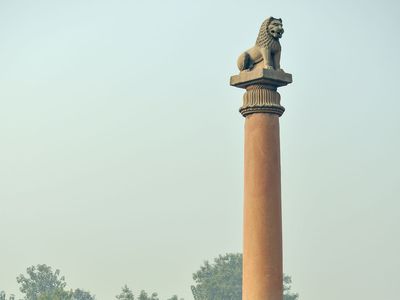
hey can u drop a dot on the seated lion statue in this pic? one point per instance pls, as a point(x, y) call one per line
point(267, 51)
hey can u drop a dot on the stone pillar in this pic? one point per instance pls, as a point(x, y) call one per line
point(262, 228)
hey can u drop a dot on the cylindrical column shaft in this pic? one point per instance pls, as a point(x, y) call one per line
point(262, 249)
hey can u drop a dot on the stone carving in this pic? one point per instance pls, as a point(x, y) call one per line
point(259, 99)
point(260, 72)
point(267, 51)
point(261, 94)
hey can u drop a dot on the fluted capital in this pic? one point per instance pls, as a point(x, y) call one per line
point(261, 95)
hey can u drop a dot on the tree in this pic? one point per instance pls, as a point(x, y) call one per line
point(56, 294)
point(223, 280)
point(59, 294)
point(42, 281)
point(126, 294)
point(79, 294)
point(3, 296)
point(143, 296)
point(174, 297)
point(287, 294)
point(154, 296)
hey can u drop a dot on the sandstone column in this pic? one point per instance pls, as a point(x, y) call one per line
point(262, 231)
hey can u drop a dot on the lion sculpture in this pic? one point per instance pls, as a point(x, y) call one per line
point(267, 51)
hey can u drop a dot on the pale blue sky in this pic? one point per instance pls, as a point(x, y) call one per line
point(121, 142)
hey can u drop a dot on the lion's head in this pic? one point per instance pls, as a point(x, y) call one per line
point(271, 29)
point(275, 28)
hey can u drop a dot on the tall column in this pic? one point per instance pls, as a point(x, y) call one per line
point(262, 228)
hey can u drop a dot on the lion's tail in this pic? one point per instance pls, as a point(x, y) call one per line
point(243, 61)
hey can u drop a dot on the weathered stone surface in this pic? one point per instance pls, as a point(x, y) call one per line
point(269, 78)
point(261, 95)
point(258, 99)
point(267, 50)
point(262, 225)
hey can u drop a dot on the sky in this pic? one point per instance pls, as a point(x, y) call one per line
point(121, 149)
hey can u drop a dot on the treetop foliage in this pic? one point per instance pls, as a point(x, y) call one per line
point(41, 283)
point(127, 294)
point(219, 280)
point(222, 279)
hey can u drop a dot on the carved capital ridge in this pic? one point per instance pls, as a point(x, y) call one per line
point(260, 99)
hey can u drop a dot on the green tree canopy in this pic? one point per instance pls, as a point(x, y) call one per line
point(143, 296)
point(79, 294)
point(41, 283)
point(41, 280)
point(126, 294)
point(174, 297)
point(223, 280)
point(55, 294)
point(3, 296)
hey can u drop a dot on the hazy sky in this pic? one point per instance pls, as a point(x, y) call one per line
point(122, 146)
